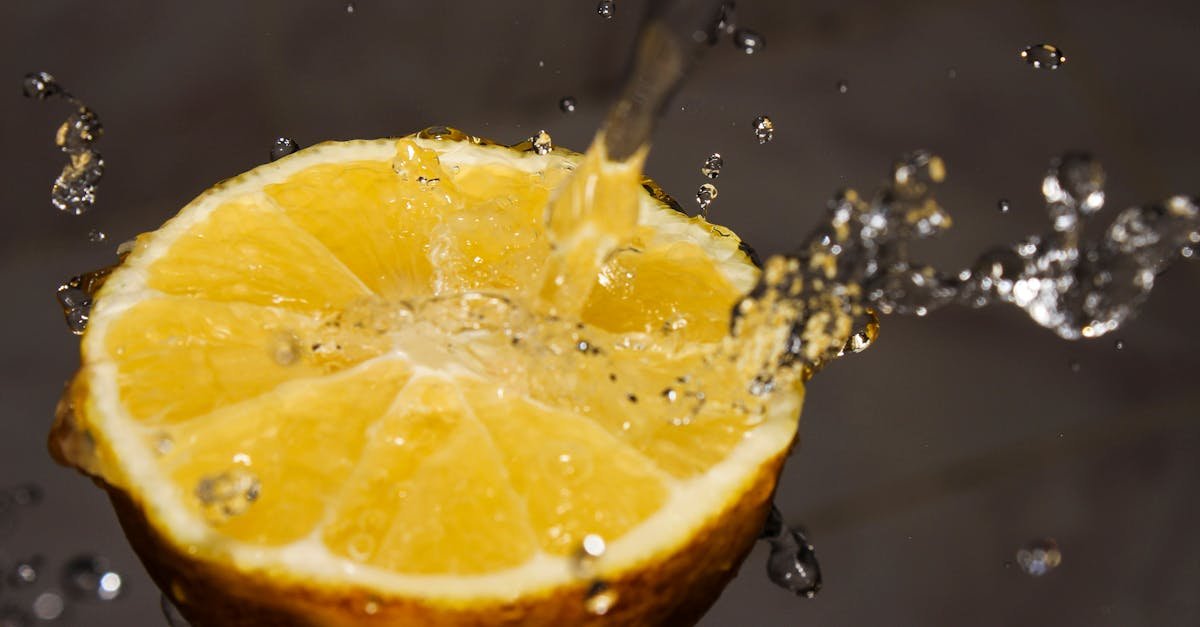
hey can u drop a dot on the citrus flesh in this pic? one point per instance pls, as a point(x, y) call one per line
point(365, 384)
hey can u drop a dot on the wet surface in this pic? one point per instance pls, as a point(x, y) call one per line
point(914, 482)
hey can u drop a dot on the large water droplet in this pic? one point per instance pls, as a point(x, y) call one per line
point(567, 104)
point(49, 606)
point(712, 166)
point(606, 9)
point(1043, 56)
point(89, 577)
point(792, 564)
point(79, 131)
point(172, 613)
point(1119, 344)
point(749, 41)
point(704, 197)
point(1039, 557)
point(282, 147)
point(227, 494)
point(764, 129)
point(542, 142)
point(40, 85)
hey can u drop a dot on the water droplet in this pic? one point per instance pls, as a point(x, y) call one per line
point(704, 197)
point(172, 613)
point(792, 564)
point(282, 147)
point(606, 9)
point(96, 236)
point(25, 572)
point(227, 494)
point(843, 87)
point(600, 599)
point(764, 129)
point(1074, 365)
point(40, 85)
point(351, 8)
point(74, 191)
point(1004, 206)
point(712, 166)
point(1073, 188)
point(49, 606)
point(542, 143)
point(1119, 344)
point(567, 104)
point(726, 21)
point(79, 131)
point(89, 577)
point(1044, 56)
point(1039, 557)
point(748, 41)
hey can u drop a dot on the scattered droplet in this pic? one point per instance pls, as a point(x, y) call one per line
point(1044, 56)
point(704, 197)
point(542, 143)
point(282, 147)
point(792, 564)
point(748, 41)
point(764, 129)
point(49, 606)
point(40, 85)
point(96, 236)
point(74, 191)
point(227, 494)
point(606, 9)
point(25, 572)
point(712, 166)
point(1119, 344)
point(172, 613)
point(1039, 557)
point(89, 577)
point(351, 8)
point(566, 104)
point(1004, 206)
point(600, 598)
point(843, 87)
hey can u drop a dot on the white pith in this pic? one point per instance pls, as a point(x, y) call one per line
point(692, 503)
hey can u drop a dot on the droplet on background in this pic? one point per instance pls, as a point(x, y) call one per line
point(1044, 56)
point(542, 142)
point(764, 129)
point(96, 236)
point(792, 564)
point(567, 104)
point(282, 147)
point(749, 41)
point(1004, 206)
point(705, 195)
point(25, 572)
point(1119, 344)
point(843, 87)
point(27, 494)
point(951, 73)
point(1074, 365)
point(351, 8)
point(1039, 557)
point(712, 166)
point(40, 85)
point(88, 577)
point(606, 9)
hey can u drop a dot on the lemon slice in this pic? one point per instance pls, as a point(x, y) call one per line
point(336, 390)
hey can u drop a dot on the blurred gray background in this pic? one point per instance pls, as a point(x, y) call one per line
point(926, 462)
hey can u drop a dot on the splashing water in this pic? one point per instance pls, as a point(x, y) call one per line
point(542, 143)
point(712, 166)
point(606, 9)
point(1043, 56)
point(764, 129)
point(75, 298)
point(227, 494)
point(792, 564)
point(282, 147)
point(74, 191)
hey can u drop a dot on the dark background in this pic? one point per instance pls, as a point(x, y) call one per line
point(926, 462)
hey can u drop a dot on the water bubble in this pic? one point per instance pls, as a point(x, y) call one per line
point(843, 87)
point(25, 572)
point(567, 104)
point(172, 613)
point(712, 166)
point(606, 9)
point(1119, 344)
point(89, 577)
point(764, 129)
point(282, 147)
point(1039, 557)
point(600, 598)
point(227, 494)
point(40, 85)
point(1004, 206)
point(542, 143)
point(705, 195)
point(74, 191)
point(96, 236)
point(49, 606)
point(1044, 56)
point(748, 41)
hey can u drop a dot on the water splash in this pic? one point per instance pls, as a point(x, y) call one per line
point(1039, 557)
point(542, 142)
point(606, 9)
point(1043, 56)
point(74, 191)
point(712, 166)
point(764, 129)
point(792, 564)
point(75, 298)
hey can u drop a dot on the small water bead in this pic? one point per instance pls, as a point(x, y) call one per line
point(171, 613)
point(1119, 344)
point(705, 195)
point(25, 572)
point(227, 494)
point(712, 166)
point(1043, 56)
point(1039, 557)
point(351, 8)
point(96, 236)
point(567, 104)
point(542, 142)
point(748, 41)
point(843, 87)
point(764, 129)
point(282, 147)
point(606, 9)
point(89, 577)
point(49, 606)
point(1004, 206)
point(40, 85)
point(600, 599)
